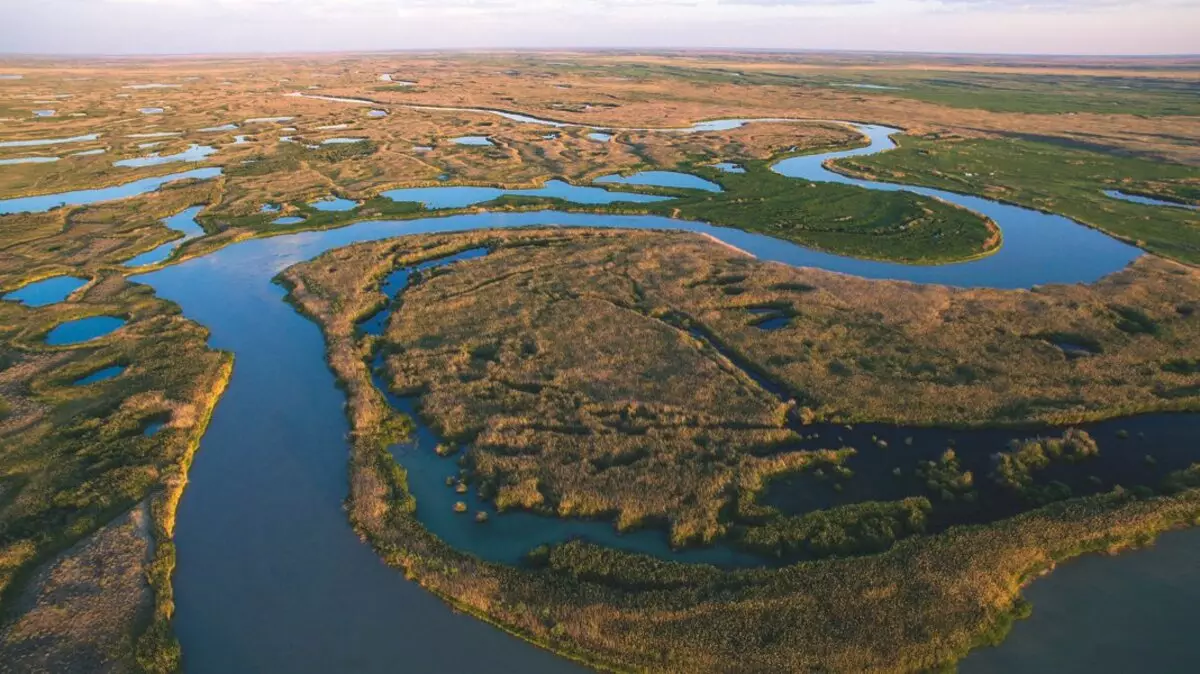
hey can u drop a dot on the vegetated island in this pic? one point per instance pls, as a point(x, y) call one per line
point(624, 376)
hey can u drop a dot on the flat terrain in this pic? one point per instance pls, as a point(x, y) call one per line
point(642, 379)
point(568, 364)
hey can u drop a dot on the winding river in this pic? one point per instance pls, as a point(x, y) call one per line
point(270, 575)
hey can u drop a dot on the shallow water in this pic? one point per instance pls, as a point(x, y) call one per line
point(104, 374)
point(49, 141)
point(287, 220)
point(45, 202)
point(181, 222)
point(43, 113)
point(334, 204)
point(1147, 201)
point(223, 127)
point(729, 167)
point(600, 137)
point(462, 196)
point(47, 291)
point(193, 153)
point(472, 140)
point(150, 111)
point(28, 160)
point(83, 330)
point(342, 141)
point(662, 179)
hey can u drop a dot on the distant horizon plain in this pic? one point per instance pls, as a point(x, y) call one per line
point(985, 27)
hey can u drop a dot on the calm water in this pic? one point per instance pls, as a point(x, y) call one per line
point(192, 154)
point(28, 160)
point(288, 220)
point(150, 111)
point(600, 137)
point(83, 330)
point(729, 167)
point(507, 537)
point(46, 291)
point(45, 202)
point(223, 127)
point(181, 222)
point(662, 179)
point(1147, 201)
point(1108, 615)
point(472, 140)
point(334, 204)
point(100, 375)
point(49, 141)
point(462, 196)
point(270, 575)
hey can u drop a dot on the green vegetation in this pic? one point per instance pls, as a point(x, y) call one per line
point(1015, 468)
point(511, 387)
point(844, 219)
point(1052, 177)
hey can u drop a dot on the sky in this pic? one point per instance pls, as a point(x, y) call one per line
point(971, 26)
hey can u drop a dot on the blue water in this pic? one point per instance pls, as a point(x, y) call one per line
point(150, 111)
point(1147, 201)
point(472, 140)
point(334, 204)
point(192, 154)
point(269, 208)
point(43, 113)
point(1034, 242)
point(100, 375)
point(83, 330)
point(342, 141)
point(223, 127)
point(729, 167)
point(287, 220)
point(48, 141)
point(600, 137)
point(377, 113)
point(45, 202)
point(776, 323)
point(46, 291)
point(153, 428)
point(271, 577)
point(461, 196)
point(662, 179)
point(506, 537)
point(28, 160)
point(181, 222)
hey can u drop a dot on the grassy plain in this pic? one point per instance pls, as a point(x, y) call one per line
point(558, 359)
point(1055, 178)
point(74, 465)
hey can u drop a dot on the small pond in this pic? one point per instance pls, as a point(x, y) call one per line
point(47, 291)
point(600, 137)
point(104, 374)
point(729, 167)
point(28, 160)
point(193, 153)
point(662, 179)
point(334, 204)
point(288, 220)
point(1147, 201)
point(83, 330)
point(48, 141)
point(472, 140)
